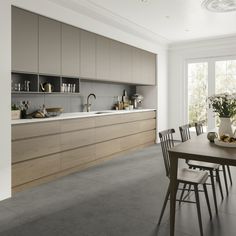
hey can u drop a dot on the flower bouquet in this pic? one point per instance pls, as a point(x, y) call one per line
point(224, 105)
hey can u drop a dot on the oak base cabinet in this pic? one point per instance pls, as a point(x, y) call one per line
point(42, 154)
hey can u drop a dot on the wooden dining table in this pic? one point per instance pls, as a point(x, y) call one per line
point(200, 149)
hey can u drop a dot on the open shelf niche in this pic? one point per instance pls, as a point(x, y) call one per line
point(33, 83)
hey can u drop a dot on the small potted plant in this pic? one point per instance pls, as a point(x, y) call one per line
point(24, 107)
point(15, 112)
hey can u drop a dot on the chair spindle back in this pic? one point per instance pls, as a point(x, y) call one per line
point(199, 127)
point(184, 132)
point(167, 142)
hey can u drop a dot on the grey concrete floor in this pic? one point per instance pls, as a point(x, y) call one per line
point(117, 198)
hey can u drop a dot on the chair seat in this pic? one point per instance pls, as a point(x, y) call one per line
point(192, 176)
point(203, 165)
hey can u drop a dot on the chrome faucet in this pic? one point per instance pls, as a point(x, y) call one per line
point(88, 105)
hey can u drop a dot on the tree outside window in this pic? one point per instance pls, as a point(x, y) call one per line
point(197, 91)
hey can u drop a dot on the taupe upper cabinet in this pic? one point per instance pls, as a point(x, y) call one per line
point(126, 67)
point(49, 46)
point(87, 55)
point(144, 67)
point(137, 68)
point(45, 46)
point(103, 58)
point(24, 41)
point(149, 67)
point(115, 60)
point(70, 51)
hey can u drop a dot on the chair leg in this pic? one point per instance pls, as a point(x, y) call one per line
point(226, 182)
point(198, 209)
point(182, 193)
point(207, 200)
point(213, 190)
point(219, 182)
point(164, 205)
point(229, 173)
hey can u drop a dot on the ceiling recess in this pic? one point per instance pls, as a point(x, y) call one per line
point(219, 5)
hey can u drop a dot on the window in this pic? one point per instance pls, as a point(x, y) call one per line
point(225, 76)
point(197, 91)
point(204, 78)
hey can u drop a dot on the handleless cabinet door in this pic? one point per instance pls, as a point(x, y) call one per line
point(149, 68)
point(103, 58)
point(24, 41)
point(126, 64)
point(115, 61)
point(70, 51)
point(49, 46)
point(137, 68)
point(87, 55)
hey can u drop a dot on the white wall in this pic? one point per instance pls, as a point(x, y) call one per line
point(157, 96)
point(177, 56)
point(5, 99)
point(81, 20)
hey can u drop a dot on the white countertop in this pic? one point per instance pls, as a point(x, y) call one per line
point(76, 115)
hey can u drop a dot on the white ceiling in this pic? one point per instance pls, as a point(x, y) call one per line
point(170, 20)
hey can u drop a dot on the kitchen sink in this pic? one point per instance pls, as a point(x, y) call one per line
point(102, 112)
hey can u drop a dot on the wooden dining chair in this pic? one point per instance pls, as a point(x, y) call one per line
point(199, 127)
point(185, 176)
point(206, 166)
point(199, 131)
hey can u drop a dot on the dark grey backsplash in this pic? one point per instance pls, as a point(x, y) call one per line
point(106, 94)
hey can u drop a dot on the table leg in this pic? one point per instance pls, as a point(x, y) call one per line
point(173, 190)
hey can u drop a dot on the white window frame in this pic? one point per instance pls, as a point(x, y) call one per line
point(211, 83)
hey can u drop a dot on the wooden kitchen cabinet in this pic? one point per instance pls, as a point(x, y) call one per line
point(31, 170)
point(45, 46)
point(50, 149)
point(149, 67)
point(137, 68)
point(24, 41)
point(126, 67)
point(87, 55)
point(103, 58)
point(144, 67)
point(115, 61)
point(49, 46)
point(70, 42)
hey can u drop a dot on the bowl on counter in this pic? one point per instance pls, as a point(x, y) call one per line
point(54, 111)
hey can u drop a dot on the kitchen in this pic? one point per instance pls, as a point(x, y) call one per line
point(82, 63)
point(152, 92)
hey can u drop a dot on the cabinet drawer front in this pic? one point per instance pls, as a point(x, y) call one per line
point(107, 148)
point(121, 130)
point(35, 130)
point(79, 156)
point(36, 147)
point(34, 169)
point(123, 118)
point(77, 124)
point(77, 139)
point(138, 139)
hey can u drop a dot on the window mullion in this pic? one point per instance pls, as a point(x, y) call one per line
point(211, 91)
